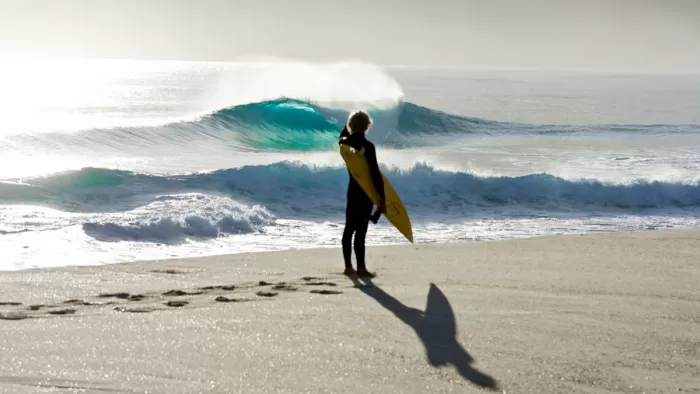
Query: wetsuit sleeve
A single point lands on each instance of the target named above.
(371, 156)
(343, 134)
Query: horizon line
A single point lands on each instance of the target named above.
(264, 59)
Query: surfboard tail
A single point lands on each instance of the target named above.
(406, 229)
(409, 236)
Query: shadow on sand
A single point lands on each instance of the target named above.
(436, 328)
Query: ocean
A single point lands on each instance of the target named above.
(106, 161)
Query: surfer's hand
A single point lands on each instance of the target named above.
(382, 206)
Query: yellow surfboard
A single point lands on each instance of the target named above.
(395, 211)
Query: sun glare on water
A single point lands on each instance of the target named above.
(53, 94)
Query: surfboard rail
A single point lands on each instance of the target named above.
(395, 213)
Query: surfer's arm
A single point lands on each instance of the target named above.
(343, 134)
(371, 156)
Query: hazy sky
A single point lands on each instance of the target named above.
(609, 34)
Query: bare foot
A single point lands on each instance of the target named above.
(363, 273)
(349, 271)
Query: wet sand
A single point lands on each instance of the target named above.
(570, 314)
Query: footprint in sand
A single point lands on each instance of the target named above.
(225, 299)
(13, 316)
(78, 302)
(278, 286)
(62, 312)
(326, 292)
(227, 288)
(266, 294)
(176, 304)
(168, 271)
(134, 310)
(180, 293)
(10, 303)
(115, 295)
(284, 287)
(123, 296)
(321, 284)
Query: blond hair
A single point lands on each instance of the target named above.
(359, 122)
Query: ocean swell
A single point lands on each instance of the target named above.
(288, 124)
(294, 189)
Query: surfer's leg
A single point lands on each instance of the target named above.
(350, 226)
(347, 245)
(359, 246)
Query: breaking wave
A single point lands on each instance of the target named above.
(297, 189)
(287, 124)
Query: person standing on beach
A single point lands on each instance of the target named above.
(358, 211)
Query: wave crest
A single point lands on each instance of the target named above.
(174, 219)
(290, 124)
(293, 189)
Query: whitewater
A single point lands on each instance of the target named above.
(106, 161)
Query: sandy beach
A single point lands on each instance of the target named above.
(597, 313)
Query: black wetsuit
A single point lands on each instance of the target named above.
(359, 206)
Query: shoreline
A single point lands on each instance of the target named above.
(605, 312)
(402, 242)
(406, 243)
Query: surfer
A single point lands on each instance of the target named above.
(358, 211)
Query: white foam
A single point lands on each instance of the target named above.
(171, 219)
(71, 246)
(344, 85)
(70, 95)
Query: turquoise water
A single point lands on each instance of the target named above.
(111, 161)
